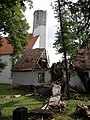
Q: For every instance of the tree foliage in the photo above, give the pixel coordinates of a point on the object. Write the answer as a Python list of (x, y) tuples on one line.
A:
[(68, 30), (13, 23), (75, 22), (80, 13)]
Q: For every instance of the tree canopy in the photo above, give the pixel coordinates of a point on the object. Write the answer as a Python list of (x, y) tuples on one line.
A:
[(13, 23), (75, 22), (73, 29)]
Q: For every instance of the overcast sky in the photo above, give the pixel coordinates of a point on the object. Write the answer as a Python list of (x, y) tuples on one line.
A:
[(51, 25)]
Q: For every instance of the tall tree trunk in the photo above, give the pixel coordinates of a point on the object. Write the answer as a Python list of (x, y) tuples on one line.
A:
[(64, 51)]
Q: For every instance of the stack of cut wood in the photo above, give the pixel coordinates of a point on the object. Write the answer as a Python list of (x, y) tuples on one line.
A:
[(54, 103), (82, 111)]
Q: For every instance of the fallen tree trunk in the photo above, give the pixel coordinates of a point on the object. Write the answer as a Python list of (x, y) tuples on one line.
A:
[(41, 114)]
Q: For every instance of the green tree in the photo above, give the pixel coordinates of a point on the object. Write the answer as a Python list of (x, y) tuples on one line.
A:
[(81, 15), (13, 23), (64, 37), (76, 26), (70, 18), (74, 29), (69, 33)]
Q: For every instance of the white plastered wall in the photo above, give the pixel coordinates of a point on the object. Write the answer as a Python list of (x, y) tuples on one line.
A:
[(28, 78), (5, 75), (75, 81)]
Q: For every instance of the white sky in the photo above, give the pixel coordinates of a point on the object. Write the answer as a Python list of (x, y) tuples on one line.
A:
[(51, 26)]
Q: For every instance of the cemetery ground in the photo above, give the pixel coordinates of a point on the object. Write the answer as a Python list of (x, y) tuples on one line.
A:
[(11, 98)]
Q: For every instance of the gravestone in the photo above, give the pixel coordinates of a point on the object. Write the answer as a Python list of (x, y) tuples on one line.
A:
[(20, 113)]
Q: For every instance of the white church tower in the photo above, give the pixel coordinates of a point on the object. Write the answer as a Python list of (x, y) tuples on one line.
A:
[(39, 27)]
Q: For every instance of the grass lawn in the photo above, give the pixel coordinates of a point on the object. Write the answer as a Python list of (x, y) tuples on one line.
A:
[(7, 105)]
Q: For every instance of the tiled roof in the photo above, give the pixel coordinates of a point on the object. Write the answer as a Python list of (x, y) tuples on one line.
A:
[(8, 48), (29, 60), (83, 58), (31, 41)]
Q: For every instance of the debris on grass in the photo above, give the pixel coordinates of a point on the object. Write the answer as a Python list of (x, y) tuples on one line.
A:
[(82, 111)]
